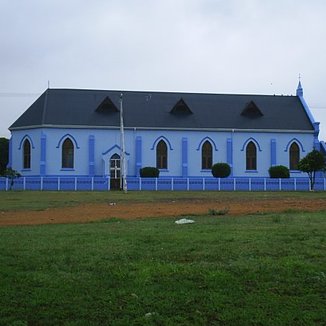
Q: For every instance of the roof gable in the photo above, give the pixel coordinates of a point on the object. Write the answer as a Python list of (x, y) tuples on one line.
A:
[(252, 111), (107, 106), (181, 108)]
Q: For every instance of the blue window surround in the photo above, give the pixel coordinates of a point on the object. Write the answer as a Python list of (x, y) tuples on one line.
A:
[(294, 140), (207, 139), (249, 140), (63, 138), (23, 139), (159, 139)]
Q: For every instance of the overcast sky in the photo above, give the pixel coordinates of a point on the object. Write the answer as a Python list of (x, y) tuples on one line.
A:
[(216, 46)]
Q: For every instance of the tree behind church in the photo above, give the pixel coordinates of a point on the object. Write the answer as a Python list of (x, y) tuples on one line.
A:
[(4, 154)]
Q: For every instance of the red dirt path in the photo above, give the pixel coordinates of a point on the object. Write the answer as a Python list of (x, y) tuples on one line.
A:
[(93, 212)]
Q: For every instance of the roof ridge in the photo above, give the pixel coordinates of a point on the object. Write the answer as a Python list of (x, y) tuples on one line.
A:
[(169, 92)]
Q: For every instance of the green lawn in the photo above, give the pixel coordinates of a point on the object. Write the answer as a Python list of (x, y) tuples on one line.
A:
[(254, 270), (37, 200)]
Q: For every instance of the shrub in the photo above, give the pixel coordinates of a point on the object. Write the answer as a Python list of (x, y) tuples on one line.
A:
[(221, 170), (149, 172), (11, 174), (216, 212), (279, 171)]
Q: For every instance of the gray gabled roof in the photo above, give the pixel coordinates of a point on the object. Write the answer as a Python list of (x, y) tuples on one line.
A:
[(100, 108)]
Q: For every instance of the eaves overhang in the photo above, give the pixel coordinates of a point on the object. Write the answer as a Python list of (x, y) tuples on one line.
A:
[(234, 130)]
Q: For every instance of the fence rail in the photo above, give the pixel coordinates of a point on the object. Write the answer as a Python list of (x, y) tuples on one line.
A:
[(159, 184)]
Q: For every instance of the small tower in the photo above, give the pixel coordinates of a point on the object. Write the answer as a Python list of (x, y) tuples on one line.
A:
[(299, 89)]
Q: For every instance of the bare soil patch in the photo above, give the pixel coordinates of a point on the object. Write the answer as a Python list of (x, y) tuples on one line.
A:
[(95, 212)]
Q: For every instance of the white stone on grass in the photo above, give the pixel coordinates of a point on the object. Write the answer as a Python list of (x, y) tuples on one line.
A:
[(184, 221)]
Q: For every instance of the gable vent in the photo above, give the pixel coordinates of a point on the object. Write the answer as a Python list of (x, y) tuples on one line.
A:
[(181, 108), (252, 111), (107, 106)]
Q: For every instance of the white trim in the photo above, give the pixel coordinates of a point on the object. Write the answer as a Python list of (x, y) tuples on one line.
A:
[(163, 128)]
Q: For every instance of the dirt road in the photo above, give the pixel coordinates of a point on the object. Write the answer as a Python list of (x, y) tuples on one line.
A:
[(93, 212)]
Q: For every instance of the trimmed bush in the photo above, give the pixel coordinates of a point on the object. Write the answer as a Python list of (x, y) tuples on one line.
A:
[(279, 171), (221, 170), (149, 172)]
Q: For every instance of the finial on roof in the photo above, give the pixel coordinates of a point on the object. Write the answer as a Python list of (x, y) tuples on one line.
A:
[(299, 88)]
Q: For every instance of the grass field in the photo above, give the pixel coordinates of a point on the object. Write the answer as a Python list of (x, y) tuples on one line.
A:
[(267, 269), (39, 200)]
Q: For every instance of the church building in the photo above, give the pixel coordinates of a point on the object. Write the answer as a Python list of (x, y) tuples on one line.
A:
[(77, 132)]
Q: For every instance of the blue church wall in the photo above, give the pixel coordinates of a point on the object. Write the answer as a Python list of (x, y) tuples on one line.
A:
[(16, 151), (284, 141), (93, 149), (196, 141)]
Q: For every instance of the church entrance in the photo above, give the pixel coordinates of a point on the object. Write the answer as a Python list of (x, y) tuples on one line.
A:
[(115, 172)]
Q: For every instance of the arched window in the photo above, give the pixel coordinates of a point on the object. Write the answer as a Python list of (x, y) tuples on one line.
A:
[(26, 154), (206, 155), (161, 155), (251, 156), (67, 154), (294, 156)]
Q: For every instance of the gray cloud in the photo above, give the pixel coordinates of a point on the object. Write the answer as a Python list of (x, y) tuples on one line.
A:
[(247, 46)]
